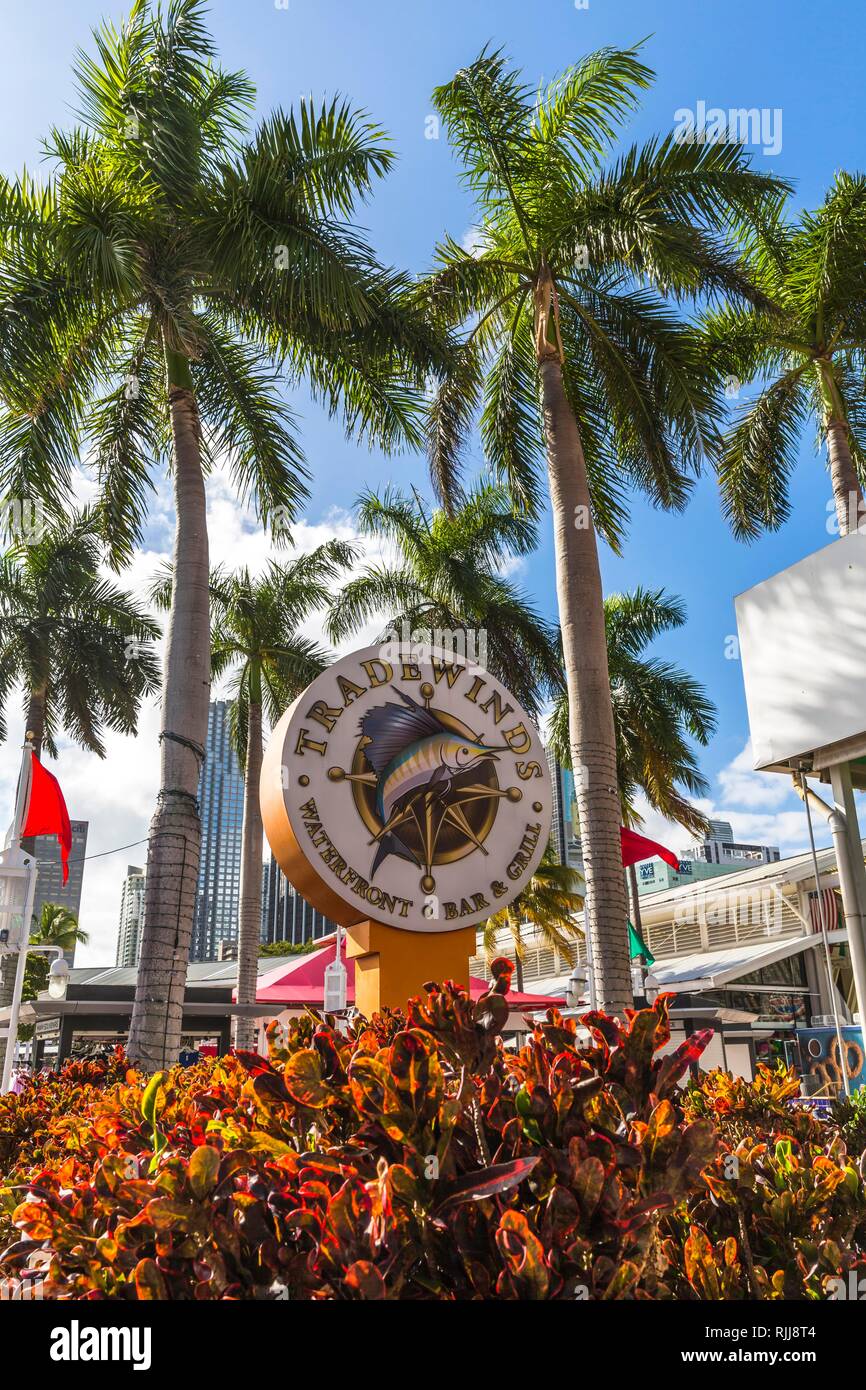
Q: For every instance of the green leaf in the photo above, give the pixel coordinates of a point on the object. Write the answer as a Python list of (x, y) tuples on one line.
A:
[(151, 1096), (203, 1170)]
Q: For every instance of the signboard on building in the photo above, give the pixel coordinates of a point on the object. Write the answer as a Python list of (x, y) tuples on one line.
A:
[(821, 1058), (804, 674), (407, 787)]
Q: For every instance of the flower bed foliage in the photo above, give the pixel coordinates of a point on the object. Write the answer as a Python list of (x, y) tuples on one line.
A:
[(418, 1158)]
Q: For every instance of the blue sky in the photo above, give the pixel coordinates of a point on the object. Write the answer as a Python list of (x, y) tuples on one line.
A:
[(387, 55)]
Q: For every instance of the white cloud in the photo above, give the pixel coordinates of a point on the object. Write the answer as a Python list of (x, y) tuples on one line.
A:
[(512, 566), (742, 786), (473, 240), (761, 807)]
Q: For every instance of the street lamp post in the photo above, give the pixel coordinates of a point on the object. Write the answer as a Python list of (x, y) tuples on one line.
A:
[(19, 864), (58, 981)]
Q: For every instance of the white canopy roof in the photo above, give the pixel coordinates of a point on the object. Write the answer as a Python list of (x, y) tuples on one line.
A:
[(711, 969)]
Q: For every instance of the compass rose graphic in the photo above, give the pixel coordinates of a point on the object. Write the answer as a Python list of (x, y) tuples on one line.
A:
[(424, 784)]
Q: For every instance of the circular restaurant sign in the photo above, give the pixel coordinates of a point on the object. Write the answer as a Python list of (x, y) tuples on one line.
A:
[(408, 787)]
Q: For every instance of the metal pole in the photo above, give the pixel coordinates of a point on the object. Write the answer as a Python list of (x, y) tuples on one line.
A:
[(840, 1041), (18, 987), (16, 858), (22, 795), (846, 813)]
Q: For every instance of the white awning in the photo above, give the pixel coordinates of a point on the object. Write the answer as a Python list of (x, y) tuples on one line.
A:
[(712, 969)]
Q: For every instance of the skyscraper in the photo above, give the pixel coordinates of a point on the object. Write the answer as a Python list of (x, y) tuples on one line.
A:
[(50, 887), (565, 827), (221, 802), (286, 916), (131, 917)]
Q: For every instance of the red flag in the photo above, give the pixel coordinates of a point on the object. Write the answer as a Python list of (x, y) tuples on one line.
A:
[(47, 813), (637, 847)]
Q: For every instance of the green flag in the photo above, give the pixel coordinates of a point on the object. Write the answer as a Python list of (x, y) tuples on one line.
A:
[(636, 947)]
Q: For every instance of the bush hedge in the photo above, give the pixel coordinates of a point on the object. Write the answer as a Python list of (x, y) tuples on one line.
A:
[(416, 1157)]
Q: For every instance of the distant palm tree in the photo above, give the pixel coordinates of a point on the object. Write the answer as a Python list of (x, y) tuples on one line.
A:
[(448, 577), (81, 647), (256, 641), (547, 907), (807, 356), (57, 926), (153, 292), (574, 343), (658, 710)]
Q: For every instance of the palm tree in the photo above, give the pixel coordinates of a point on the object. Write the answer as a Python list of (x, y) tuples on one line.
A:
[(658, 711), (80, 646), (808, 357), (547, 906), (57, 926), (151, 294), (447, 579), (257, 643), (569, 302)]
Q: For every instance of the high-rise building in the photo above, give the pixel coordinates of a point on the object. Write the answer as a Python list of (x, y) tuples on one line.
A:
[(221, 803), (286, 916), (50, 887), (720, 847), (565, 826), (131, 917)]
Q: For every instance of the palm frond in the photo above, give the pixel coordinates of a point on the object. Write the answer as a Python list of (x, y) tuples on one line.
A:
[(759, 455)]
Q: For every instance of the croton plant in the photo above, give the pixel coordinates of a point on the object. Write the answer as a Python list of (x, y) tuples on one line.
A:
[(416, 1157)]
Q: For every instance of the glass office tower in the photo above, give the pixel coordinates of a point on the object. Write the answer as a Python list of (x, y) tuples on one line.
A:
[(221, 802)]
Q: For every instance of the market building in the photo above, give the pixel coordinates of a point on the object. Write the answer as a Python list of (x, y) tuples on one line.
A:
[(743, 954)]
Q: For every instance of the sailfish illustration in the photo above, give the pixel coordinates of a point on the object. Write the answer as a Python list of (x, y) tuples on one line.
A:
[(411, 751)]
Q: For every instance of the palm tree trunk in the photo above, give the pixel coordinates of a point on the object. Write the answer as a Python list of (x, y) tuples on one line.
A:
[(175, 830), (847, 492), (36, 720), (250, 906), (516, 928), (591, 727)]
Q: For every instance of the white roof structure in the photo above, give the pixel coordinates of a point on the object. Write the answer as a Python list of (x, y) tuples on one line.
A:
[(217, 974), (712, 969)]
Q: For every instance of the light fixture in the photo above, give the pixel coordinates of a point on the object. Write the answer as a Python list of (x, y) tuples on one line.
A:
[(58, 978)]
